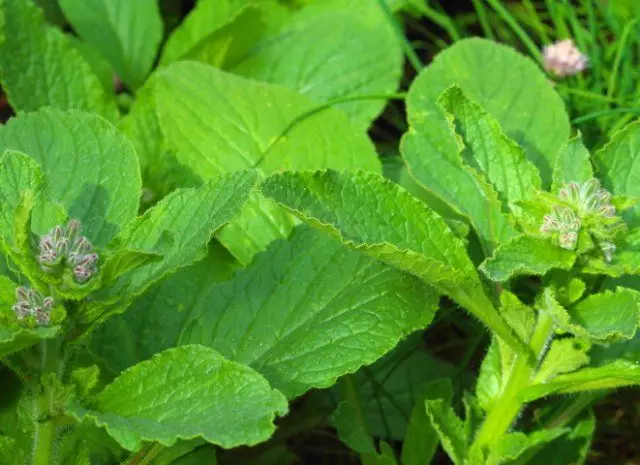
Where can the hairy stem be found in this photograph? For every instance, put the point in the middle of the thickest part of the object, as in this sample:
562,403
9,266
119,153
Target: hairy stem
45,421
506,409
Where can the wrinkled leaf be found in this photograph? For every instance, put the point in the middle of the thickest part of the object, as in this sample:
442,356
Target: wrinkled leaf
526,255
191,391
308,310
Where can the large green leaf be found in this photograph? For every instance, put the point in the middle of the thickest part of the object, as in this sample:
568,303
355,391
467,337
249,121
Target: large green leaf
89,167
525,255
369,213
39,67
509,86
619,165
185,393
308,310
156,318
126,32
433,152
217,122
356,56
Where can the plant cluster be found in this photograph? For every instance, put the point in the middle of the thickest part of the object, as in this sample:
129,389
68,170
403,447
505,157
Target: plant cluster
208,251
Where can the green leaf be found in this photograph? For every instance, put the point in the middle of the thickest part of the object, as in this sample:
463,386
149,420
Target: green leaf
204,19
217,122
14,339
526,255
39,67
356,57
191,392
617,374
126,32
618,163
433,153
421,441
123,261
572,165
178,227
371,214
88,166
514,446
608,316
573,447
488,150
100,66
18,174
308,310
353,433
625,260
563,356
449,427
156,318
509,86
224,41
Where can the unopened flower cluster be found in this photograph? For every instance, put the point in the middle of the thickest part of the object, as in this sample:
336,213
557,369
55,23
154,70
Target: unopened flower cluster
564,59
588,206
65,247
31,304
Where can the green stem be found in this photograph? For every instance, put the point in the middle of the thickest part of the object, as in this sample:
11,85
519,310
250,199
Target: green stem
408,49
572,408
45,421
440,19
505,410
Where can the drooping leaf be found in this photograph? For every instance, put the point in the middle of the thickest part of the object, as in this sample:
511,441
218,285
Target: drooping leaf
619,166
572,164
563,356
488,150
41,68
619,373
156,318
217,122
191,391
126,32
509,86
308,310
371,214
358,55
88,166
526,255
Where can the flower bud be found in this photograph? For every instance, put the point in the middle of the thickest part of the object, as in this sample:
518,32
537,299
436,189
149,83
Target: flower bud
564,59
73,230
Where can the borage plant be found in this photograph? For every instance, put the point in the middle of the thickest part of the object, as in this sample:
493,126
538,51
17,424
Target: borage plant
184,261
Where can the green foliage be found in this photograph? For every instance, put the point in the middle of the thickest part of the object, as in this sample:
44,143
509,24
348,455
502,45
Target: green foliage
212,234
